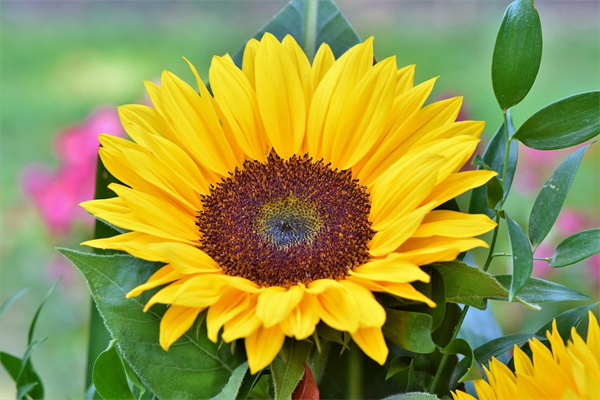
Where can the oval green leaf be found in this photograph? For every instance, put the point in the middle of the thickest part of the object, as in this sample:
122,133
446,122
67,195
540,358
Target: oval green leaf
409,330
565,123
517,53
109,375
193,368
493,156
522,257
576,247
538,290
232,388
551,198
310,23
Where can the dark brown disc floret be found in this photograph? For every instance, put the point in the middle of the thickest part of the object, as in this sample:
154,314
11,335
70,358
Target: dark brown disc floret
285,222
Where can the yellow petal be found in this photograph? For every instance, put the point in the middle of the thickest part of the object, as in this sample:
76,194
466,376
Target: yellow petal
371,341
422,251
457,184
237,99
324,59
231,304
276,303
302,66
388,240
405,79
187,259
176,321
280,96
327,107
335,304
393,268
135,243
163,276
454,224
301,322
371,313
262,347
248,61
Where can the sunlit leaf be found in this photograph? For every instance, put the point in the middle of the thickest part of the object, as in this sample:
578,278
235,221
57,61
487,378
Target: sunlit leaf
576,247
517,53
288,367
194,367
565,123
551,198
522,257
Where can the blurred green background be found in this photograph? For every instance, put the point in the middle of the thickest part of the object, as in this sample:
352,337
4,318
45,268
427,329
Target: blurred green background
62,59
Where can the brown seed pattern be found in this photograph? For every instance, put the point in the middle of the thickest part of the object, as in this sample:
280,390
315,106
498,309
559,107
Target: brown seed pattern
286,222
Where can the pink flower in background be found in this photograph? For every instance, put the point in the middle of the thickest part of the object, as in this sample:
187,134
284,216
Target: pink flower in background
570,222
56,193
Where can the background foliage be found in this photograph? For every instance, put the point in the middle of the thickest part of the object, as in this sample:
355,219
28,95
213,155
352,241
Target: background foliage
60,60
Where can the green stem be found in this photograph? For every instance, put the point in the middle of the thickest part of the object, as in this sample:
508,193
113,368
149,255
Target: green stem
492,245
438,373
310,28
506,150
354,374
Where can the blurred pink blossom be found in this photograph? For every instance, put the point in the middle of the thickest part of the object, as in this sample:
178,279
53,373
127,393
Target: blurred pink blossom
570,222
56,193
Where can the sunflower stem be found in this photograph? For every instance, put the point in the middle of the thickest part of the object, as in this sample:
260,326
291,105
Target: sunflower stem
310,28
354,374
438,373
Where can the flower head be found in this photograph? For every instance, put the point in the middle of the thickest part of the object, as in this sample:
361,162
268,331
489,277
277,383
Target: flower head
290,194
565,372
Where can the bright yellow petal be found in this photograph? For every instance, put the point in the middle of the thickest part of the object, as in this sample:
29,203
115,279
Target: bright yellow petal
231,304
335,305
276,303
262,347
248,60
176,321
161,277
454,224
457,184
371,341
280,96
393,268
301,322
135,243
323,61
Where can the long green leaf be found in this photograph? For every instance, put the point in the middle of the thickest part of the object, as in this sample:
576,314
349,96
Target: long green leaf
565,123
517,53
194,367
37,312
311,23
109,375
538,290
11,300
409,330
576,247
551,198
28,378
485,352
522,257
567,320
288,367
232,388
494,157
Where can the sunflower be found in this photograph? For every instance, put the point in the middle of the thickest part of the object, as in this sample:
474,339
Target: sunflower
289,194
566,372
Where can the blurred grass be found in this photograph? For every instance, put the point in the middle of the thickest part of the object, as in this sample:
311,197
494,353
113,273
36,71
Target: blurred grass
60,60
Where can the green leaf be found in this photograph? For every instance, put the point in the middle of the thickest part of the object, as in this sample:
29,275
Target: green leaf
564,123
538,290
134,379
232,388
310,23
11,300
37,312
109,375
566,320
551,198
495,191
398,365
517,53
460,346
522,257
413,396
29,377
494,157
471,286
409,330
194,367
288,367
576,247
485,352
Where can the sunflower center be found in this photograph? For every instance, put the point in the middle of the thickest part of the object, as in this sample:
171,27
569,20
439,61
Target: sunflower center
285,222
